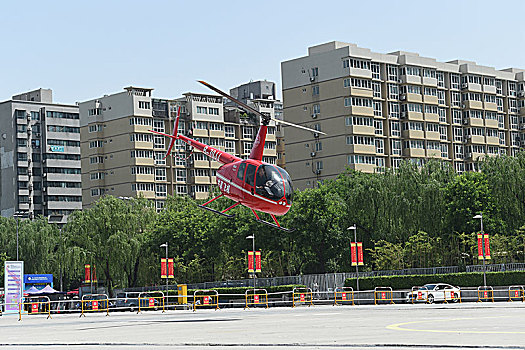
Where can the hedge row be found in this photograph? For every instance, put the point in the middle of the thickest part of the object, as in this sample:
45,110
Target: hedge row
462,279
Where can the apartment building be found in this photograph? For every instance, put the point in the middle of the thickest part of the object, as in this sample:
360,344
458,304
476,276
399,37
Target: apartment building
39,157
122,158
378,109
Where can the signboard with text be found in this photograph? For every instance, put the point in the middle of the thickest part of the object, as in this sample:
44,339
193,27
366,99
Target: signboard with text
13,285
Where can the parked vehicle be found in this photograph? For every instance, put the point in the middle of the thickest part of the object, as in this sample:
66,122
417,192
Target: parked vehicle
130,301
434,292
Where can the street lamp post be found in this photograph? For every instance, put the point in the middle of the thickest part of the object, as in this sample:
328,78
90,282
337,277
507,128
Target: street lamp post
166,245
480,216
17,215
353,227
252,237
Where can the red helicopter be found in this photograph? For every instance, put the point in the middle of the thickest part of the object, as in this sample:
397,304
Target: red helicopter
251,182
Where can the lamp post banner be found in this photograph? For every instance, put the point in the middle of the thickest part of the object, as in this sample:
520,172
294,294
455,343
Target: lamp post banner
171,269
360,253
480,247
487,247
87,273
163,268
353,253
250,261
13,284
258,261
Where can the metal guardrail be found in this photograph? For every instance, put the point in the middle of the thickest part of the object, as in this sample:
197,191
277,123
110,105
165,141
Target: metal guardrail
328,281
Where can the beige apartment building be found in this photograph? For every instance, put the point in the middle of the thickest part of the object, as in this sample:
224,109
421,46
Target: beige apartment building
121,157
379,109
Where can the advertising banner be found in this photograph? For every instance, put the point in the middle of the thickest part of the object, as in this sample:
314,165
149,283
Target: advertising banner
353,253
163,268
250,261
480,247
87,273
360,253
487,246
171,269
13,285
258,261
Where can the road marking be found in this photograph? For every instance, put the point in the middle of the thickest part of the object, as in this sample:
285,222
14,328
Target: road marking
398,326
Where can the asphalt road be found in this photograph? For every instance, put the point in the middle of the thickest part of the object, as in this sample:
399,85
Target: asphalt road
450,326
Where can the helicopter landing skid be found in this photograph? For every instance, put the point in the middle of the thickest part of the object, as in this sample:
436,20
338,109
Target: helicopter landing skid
216,211
271,224
275,226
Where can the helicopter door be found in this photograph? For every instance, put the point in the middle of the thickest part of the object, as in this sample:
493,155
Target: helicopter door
249,178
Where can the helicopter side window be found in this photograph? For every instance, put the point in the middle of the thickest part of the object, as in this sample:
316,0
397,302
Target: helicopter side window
240,173
250,174
269,183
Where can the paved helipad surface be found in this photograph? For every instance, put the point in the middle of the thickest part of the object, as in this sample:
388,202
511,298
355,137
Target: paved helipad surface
467,325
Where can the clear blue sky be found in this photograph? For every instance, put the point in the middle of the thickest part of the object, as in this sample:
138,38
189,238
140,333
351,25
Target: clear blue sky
85,49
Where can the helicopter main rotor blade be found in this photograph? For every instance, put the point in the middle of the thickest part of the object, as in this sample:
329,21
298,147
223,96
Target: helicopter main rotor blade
252,110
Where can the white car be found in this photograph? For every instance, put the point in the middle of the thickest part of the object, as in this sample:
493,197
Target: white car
433,292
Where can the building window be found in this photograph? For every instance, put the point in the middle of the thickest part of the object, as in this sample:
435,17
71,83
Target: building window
377,89
378,109
392,72
376,71
315,90
160,174
380,148
395,146
229,131
144,105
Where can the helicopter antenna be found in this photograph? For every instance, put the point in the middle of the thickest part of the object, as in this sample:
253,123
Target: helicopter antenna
264,118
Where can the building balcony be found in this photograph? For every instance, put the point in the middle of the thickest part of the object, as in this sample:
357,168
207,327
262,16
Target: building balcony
491,123
217,133
428,81
139,161
493,141
138,128
360,130
410,79
475,139
365,168
414,152
362,149
489,106
489,89
428,99
61,191
144,178
473,104
417,116
471,87
201,164
432,136
200,133
201,195
413,134
417,98
431,117
474,122
364,111
354,91
362,73
433,153
201,180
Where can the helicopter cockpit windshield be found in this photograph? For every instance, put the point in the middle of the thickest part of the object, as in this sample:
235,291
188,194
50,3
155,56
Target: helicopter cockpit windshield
273,183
